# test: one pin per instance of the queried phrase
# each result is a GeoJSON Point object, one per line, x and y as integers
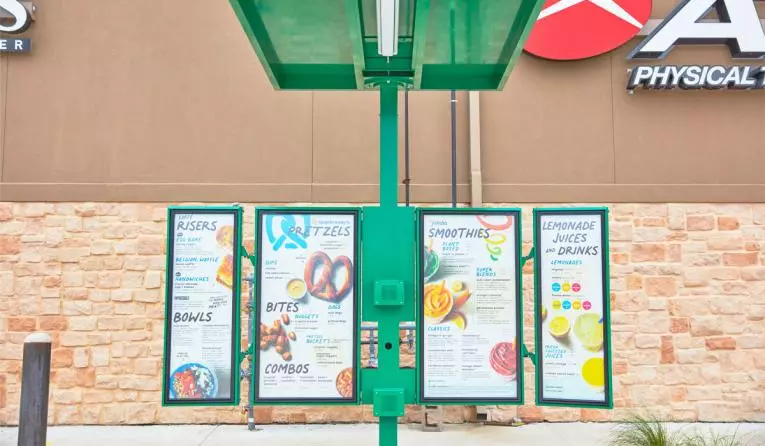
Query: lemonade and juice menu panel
{"type": "Point", "coordinates": [573, 354]}
{"type": "Point", "coordinates": [470, 307]}
{"type": "Point", "coordinates": [201, 327]}
{"type": "Point", "coordinates": [307, 320]}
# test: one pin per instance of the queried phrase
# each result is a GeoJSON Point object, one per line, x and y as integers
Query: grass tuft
{"type": "Point", "coordinates": [640, 430]}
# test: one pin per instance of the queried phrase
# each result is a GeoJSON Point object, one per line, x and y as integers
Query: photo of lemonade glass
{"type": "Point", "coordinates": [589, 330]}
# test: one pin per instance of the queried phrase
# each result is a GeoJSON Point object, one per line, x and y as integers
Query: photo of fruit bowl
{"type": "Point", "coordinates": [437, 302]}
{"type": "Point", "coordinates": [193, 381]}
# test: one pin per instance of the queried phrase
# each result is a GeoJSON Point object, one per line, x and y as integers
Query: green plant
{"type": "Point", "coordinates": [715, 439]}
{"type": "Point", "coordinates": [638, 430]}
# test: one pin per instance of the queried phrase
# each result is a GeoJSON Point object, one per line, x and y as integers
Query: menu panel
{"type": "Point", "coordinates": [470, 306]}
{"type": "Point", "coordinates": [307, 277]}
{"type": "Point", "coordinates": [572, 318]}
{"type": "Point", "coordinates": [202, 306]}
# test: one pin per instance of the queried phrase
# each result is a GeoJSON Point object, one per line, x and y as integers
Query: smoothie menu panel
{"type": "Point", "coordinates": [201, 303]}
{"type": "Point", "coordinates": [469, 306]}
{"type": "Point", "coordinates": [570, 255]}
{"type": "Point", "coordinates": [307, 306]}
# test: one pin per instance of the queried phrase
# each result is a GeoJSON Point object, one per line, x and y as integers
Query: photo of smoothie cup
{"type": "Point", "coordinates": [503, 359]}
{"type": "Point", "coordinates": [589, 330]}
{"type": "Point", "coordinates": [437, 302]}
{"type": "Point", "coordinates": [593, 373]}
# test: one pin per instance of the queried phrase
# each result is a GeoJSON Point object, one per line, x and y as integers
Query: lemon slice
{"type": "Point", "coordinates": [458, 319]}
{"type": "Point", "coordinates": [544, 313]}
{"type": "Point", "coordinates": [589, 331]}
{"type": "Point", "coordinates": [592, 372]}
{"type": "Point", "coordinates": [559, 327]}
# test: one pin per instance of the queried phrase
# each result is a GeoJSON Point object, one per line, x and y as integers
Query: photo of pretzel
{"type": "Point", "coordinates": [324, 287]}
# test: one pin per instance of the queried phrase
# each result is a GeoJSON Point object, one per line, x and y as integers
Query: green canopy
{"type": "Point", "coordinates": [333, 44]}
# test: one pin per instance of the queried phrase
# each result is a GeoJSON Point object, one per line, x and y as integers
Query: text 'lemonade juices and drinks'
{"type": "Point", "coordinates": [470, 306]}
{"type": "Point", "coordinates": [202, 302]}
{"type": "Point", "coordinates": [306, 307]}
{"type": "Point", "coordinates": [572, 299]}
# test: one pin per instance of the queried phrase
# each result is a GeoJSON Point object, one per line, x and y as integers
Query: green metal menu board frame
{"type": "Point", "coordinates": [539, 248]}
{"type": "Point", "coordinates": [515, 214]}
{"type": "Point", "coordinates": [285, 233]}
{"type": "Point", "coordinates": [237, 212]}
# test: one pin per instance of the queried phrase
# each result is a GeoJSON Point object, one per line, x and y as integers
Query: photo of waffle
{"type": "Point", "coordinates": [344, 383]}
{"type": "Point", "coordinates": [225, 275]}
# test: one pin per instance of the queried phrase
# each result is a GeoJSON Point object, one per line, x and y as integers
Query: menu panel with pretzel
{"type": "Point", "coordinates": [469, 307]}
{"type": "Point", "coordinates": [306, 306]}
{"type": "Point", "coordinates": [572, 321]}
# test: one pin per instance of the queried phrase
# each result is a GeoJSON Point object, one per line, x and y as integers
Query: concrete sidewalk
{"type": "Point", "coordinates": [560, 434]}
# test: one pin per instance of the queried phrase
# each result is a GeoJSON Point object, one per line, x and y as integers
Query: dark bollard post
{"type": "Point", "coordinates": [35, 382]}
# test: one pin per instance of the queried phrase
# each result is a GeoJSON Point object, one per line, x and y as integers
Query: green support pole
{"type": "Point", "coordinates": [388, 326]}
{"type": "Point", "coordinates": [388, 431]}
{"type": "Point", "coordinates": [388, 145]}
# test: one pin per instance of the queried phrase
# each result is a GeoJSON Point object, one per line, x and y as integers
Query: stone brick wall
{"type": "Point", "coordinates": [688, 302]}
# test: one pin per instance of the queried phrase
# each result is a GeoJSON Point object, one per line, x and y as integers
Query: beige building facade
{"type": "Point", "coordinates": [123, 108]}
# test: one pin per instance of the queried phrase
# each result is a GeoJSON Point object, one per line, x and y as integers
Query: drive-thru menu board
{"type": "Point", "coordinates": [470, 306]}
{"type": "Point", "coordinates": [307, 319]}
{"type": "Point", "coordinates": [572, 317]}
{"type": "Point", "coordinates": [202, 306]}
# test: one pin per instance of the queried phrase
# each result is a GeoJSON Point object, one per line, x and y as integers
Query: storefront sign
{"type": "Point", "coordinates": [694, 77]}
{"type": "Point", "coordinates": [15, 45]}
{"type": "Point", "coordinates": [739, 28]}
{"type": "Point", "coordinates": [572, 308]}
{"type": "Point", "coordinates": [15, 18]}
{"type": "Point", "coordinates": [307, 306]}
{"type": "Point", "coordinates": [564, 32]}
{"type": "Point", "coordinates": [202, 306]}
{"type": "Point", "coordinates": [18, 14]}
{"type": "Point", "coordinates": [470, 307]}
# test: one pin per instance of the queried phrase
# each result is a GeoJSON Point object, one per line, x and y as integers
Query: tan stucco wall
{"type": "Point", "coordinates": [688, 305]}
{"type": "Point", "coordinates": [148, 100]}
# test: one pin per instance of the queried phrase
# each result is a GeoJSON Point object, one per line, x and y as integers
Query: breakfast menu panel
{"type": "Point", "coordinates": [202, 311]}
{"type": "Point", "coordinates": [306, 306]}
{"type": "Point", "coordinates": [571, 296]}
{"type": "Point", "coordinates": [469, 308]}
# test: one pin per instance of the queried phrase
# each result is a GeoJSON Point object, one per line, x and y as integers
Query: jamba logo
{"type": "Point", "coordinates": [290, 234]}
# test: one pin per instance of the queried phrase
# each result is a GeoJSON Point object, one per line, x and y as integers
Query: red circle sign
{"type": "Point", "coordinates": [580, 29]}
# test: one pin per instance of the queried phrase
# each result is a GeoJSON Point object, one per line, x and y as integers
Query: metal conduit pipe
{"type": "Point", "coordinates": [476, 180]}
